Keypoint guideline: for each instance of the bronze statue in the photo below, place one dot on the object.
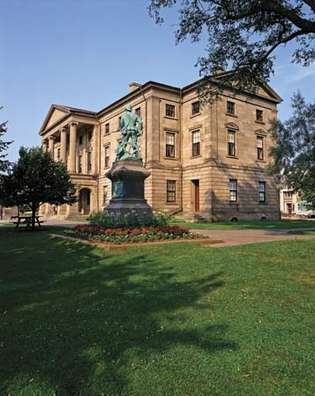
(131, 129)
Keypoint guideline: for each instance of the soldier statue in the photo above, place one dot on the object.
(131, 129)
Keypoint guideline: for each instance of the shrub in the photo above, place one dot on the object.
(103, 219)
(161, 219)
(132, 234)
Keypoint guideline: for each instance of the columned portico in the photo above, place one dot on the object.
(73, 147)
(51, 144)
(44, 146)
(95, 153)
(63, 145)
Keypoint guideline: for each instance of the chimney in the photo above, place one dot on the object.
(133, 86)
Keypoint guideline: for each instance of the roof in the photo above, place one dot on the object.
(69, 110)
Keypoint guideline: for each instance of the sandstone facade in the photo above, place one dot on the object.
(205, 161)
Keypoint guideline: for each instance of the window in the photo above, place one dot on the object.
(119, 122)
(170, 110)
(90, 136)
(262, 191)
(89, 161)
(171, 190)
(80, 139)
(195, 108)
(260, 147)
(105, 193)
(259, 115)
(230, 107)
(138, 111)
(231, 143)
(196, 143)
(107, 128)
(287, 194)
(58, 154)
(106, 156)
(233, 190)
(170, 145)
(80, 164)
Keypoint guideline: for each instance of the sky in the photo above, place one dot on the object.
(84, 53)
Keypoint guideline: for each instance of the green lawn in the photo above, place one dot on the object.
(250, 225)
(166, 320)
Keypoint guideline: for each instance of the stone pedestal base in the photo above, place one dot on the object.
(128, 206)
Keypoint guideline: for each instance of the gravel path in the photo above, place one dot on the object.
(243, 237)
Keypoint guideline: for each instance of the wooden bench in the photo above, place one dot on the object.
(26, 220)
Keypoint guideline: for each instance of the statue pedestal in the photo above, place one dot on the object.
(128, 206)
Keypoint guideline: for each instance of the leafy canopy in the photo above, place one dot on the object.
(36, 179)
(242, 35)
(294, 155)
(3, 147)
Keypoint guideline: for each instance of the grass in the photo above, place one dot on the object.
(250, 225)
(165, 320)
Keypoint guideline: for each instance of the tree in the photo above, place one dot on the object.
(36, 179)
(294, 154)
(242, 35)
(3, 147)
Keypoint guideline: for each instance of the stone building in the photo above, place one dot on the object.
(292, 205)
(205, 161)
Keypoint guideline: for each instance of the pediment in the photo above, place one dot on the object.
(263, 90)
(261, 132)
(231, 125)
(267, 92)
(55, 114)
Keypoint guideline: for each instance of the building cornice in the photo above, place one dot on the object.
(141, 90)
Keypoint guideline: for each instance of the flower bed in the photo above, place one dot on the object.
(132, 234)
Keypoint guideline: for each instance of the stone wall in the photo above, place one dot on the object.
(211, 170)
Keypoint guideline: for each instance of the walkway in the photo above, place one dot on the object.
(243, 237)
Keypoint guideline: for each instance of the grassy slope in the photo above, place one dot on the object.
(175, 320)
(251, 225)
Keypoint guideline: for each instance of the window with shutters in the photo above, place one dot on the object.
(260, 147)
(262, 191)
(106, 156)
(171, 190)
(196, 143)
(169, 110)
(170, 145)
(195, 108)
(233, 190)
(230, 107)
(231, 143)
(259, 115)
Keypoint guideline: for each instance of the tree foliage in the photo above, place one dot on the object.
(3, 147)
(242, 35)
(294, 155)
(36, 179)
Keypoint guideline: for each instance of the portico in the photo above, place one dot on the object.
(205, 161)
(73, 142)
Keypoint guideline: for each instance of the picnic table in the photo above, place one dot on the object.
(26, 221)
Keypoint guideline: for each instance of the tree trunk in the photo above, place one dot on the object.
(33, 215)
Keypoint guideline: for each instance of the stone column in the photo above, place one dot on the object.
(44, 145)
(73, 147)
(63, 145)
(84, 160)
(51, 145)
(95, 148)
